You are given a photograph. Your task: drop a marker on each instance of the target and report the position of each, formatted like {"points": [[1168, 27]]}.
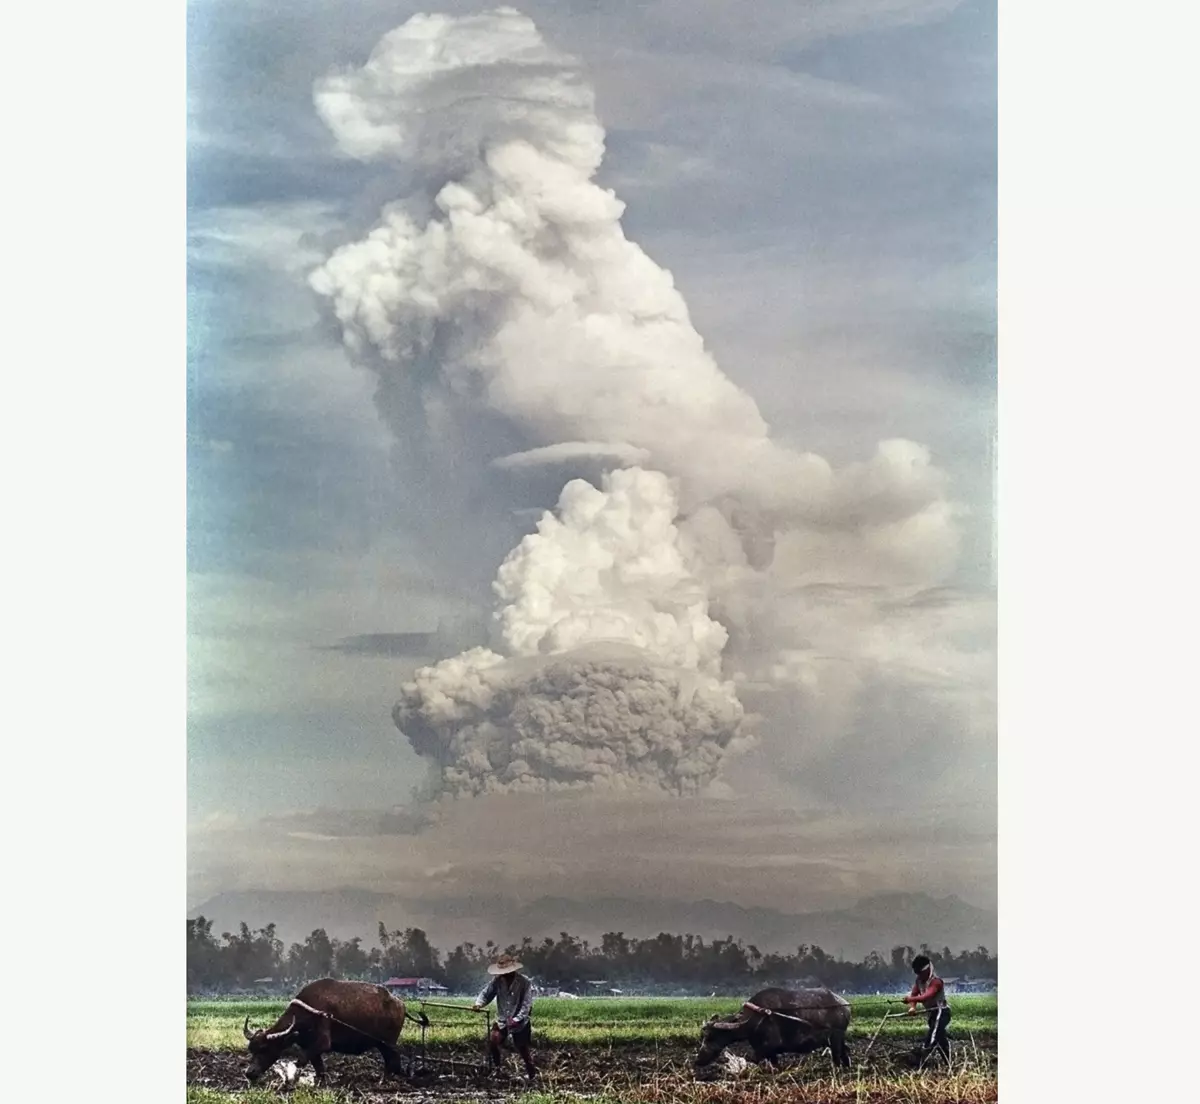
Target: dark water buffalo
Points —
{"points": [[328, 1016], [781, 1021]]}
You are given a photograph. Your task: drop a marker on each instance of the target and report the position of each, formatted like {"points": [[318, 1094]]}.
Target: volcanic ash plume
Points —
{"points": [[512, 327], [610, 568], [509, 320], [644, 708], [616, 724], [506, 288]]}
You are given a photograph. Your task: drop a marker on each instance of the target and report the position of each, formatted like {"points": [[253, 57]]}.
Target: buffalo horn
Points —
{"points": [[285, 1031], [246, 1029], [728, 1025]]}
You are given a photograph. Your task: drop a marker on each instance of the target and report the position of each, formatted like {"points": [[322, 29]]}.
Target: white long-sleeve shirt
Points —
{"points": [[514, 999]]}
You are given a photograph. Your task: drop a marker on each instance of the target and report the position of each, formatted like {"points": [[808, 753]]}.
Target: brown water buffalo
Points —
{"points": [[781, 1021], [330, 1017]]}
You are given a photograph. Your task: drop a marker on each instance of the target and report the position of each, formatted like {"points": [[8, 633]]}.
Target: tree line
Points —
{"points": [[256, 959]]}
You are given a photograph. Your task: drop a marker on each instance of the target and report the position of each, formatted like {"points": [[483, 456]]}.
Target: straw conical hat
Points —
{"points": [[505, 964]]}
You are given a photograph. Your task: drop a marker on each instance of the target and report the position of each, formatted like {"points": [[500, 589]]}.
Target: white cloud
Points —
{"points": [[277, 236]]}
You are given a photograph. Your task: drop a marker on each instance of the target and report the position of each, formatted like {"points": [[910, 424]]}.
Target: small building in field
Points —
{"points": [[414, 987]]}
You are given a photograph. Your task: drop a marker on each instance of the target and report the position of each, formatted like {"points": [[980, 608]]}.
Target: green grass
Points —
{"points": [[217, 1025]]}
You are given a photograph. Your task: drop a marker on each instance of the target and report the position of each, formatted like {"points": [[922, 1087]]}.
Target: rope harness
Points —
{"points": [[420, 1018], [937, 1013], [298, 1003], [750, 1006]]}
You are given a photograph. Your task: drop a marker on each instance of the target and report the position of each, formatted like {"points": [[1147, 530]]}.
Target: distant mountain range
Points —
{"points": [[875, 923]]}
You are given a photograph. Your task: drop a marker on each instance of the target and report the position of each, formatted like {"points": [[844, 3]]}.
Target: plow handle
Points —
{"points": [[455, 1007]]}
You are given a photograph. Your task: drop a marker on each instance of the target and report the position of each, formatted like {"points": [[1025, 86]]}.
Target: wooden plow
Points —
{"points": [[480, 1068], [889, 1015]]}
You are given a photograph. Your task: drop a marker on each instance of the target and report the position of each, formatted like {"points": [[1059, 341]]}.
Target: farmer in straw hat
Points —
{"points": [[513, 994]]}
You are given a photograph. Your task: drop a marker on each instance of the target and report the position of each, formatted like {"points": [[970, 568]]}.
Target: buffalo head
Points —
{"points": [[715, 1036], [266, 1046]]}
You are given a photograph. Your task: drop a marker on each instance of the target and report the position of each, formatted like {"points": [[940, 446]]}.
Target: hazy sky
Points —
{"points": [[818, 177]]}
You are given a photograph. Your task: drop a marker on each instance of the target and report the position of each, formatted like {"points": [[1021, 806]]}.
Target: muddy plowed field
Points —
{"points": [[586, 1070]]}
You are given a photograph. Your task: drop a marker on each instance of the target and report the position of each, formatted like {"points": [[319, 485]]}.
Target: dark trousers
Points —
{"points": [[521, 1039], [935, 1038]]}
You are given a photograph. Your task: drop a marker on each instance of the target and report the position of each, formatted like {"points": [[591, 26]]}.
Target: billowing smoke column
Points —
{"points": [[610, 567], [645, 709], [603, 723], [503, 293]]}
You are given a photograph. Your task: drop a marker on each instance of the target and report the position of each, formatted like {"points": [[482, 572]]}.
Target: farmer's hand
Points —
{"points": [[912, 1009], [477, 1008]]}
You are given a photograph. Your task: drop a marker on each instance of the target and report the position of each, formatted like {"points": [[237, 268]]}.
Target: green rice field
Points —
{"points": [[216, 1025]]}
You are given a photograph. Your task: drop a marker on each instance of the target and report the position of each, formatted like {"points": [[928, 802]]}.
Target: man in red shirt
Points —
{"points": [[928, 990]]}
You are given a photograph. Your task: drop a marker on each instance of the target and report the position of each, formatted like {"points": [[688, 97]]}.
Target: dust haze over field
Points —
{"points": [[689, 602]]}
